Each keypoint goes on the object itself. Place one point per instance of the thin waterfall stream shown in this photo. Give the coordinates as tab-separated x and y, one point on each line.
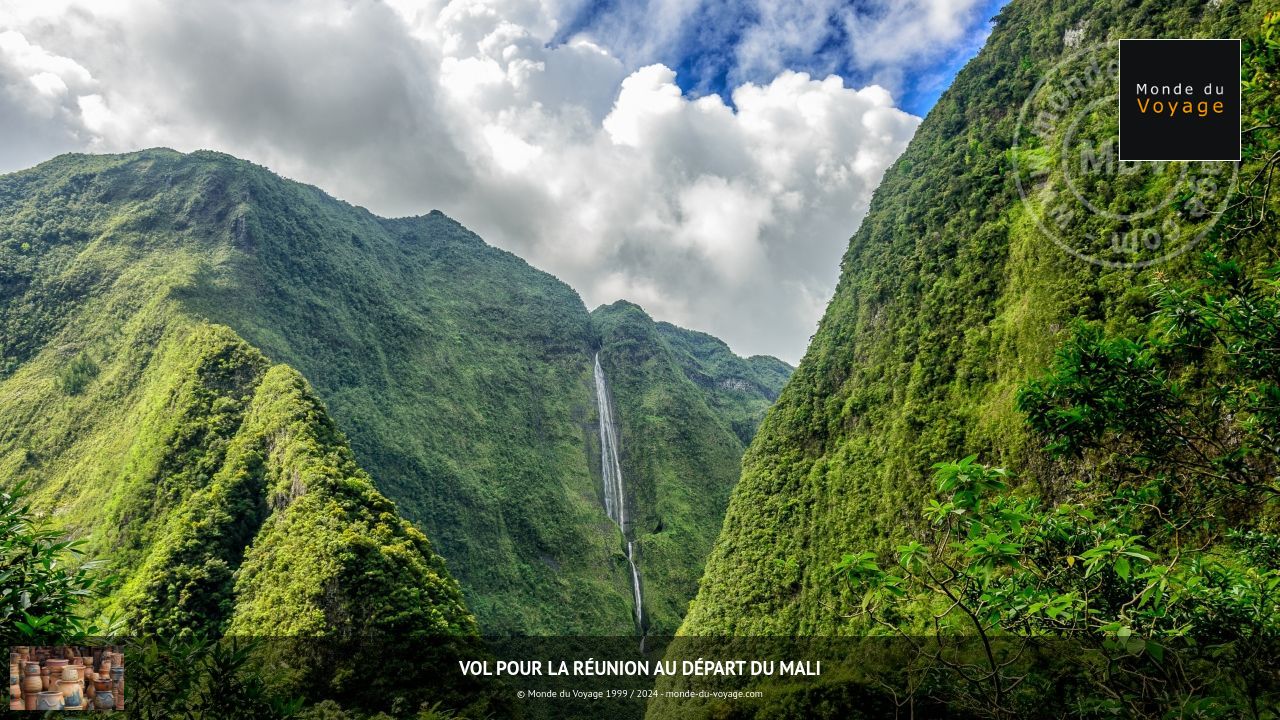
615	497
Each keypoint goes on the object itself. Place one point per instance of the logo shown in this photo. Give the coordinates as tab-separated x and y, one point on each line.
1079	192
1180	100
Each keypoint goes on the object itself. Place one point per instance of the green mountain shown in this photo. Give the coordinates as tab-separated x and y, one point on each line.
950	298
684	402
158	315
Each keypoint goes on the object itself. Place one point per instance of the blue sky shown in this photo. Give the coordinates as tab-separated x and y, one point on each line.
704	49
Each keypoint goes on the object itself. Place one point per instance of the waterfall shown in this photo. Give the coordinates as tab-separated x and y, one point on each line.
615	497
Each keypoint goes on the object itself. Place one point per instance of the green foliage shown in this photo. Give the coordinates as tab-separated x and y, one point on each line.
1157	557
334	556
1160	611
197	678
43	578
949	298
682	399
288	535
460	376
77	374
738	389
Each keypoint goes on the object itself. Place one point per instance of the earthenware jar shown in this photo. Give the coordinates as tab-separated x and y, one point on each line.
32	684
104	700
117	673
56	664
49	700
30	699
72	695
15	702
118	694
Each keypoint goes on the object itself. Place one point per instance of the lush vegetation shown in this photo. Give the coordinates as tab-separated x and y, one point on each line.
44	579
683	402
1158	562
950	299
141	296
1129	567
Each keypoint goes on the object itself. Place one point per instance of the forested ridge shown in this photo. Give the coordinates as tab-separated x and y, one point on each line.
950	299
219	379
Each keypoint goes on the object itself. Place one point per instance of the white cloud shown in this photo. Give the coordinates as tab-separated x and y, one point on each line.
726	219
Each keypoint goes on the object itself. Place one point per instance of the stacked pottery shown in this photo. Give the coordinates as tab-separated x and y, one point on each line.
70	688
102	698
117	682
15	684
53	673
31	685
15	677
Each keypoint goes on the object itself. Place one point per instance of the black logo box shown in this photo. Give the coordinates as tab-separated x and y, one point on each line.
1180	65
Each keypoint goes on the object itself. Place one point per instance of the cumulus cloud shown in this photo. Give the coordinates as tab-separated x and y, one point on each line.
727	217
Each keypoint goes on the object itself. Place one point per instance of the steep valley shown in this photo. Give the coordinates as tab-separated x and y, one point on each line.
461	376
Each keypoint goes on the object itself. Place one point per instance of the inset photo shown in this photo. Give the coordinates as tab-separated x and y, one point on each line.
66	677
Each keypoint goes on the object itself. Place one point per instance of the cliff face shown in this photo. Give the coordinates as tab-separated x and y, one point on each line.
149	303
682	402
950	297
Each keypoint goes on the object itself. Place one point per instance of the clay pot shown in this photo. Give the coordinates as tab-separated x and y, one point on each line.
32	684
102	684
29	699
118	694
117	673
33	668
104	700
49	700
56	663
15	703
72	693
